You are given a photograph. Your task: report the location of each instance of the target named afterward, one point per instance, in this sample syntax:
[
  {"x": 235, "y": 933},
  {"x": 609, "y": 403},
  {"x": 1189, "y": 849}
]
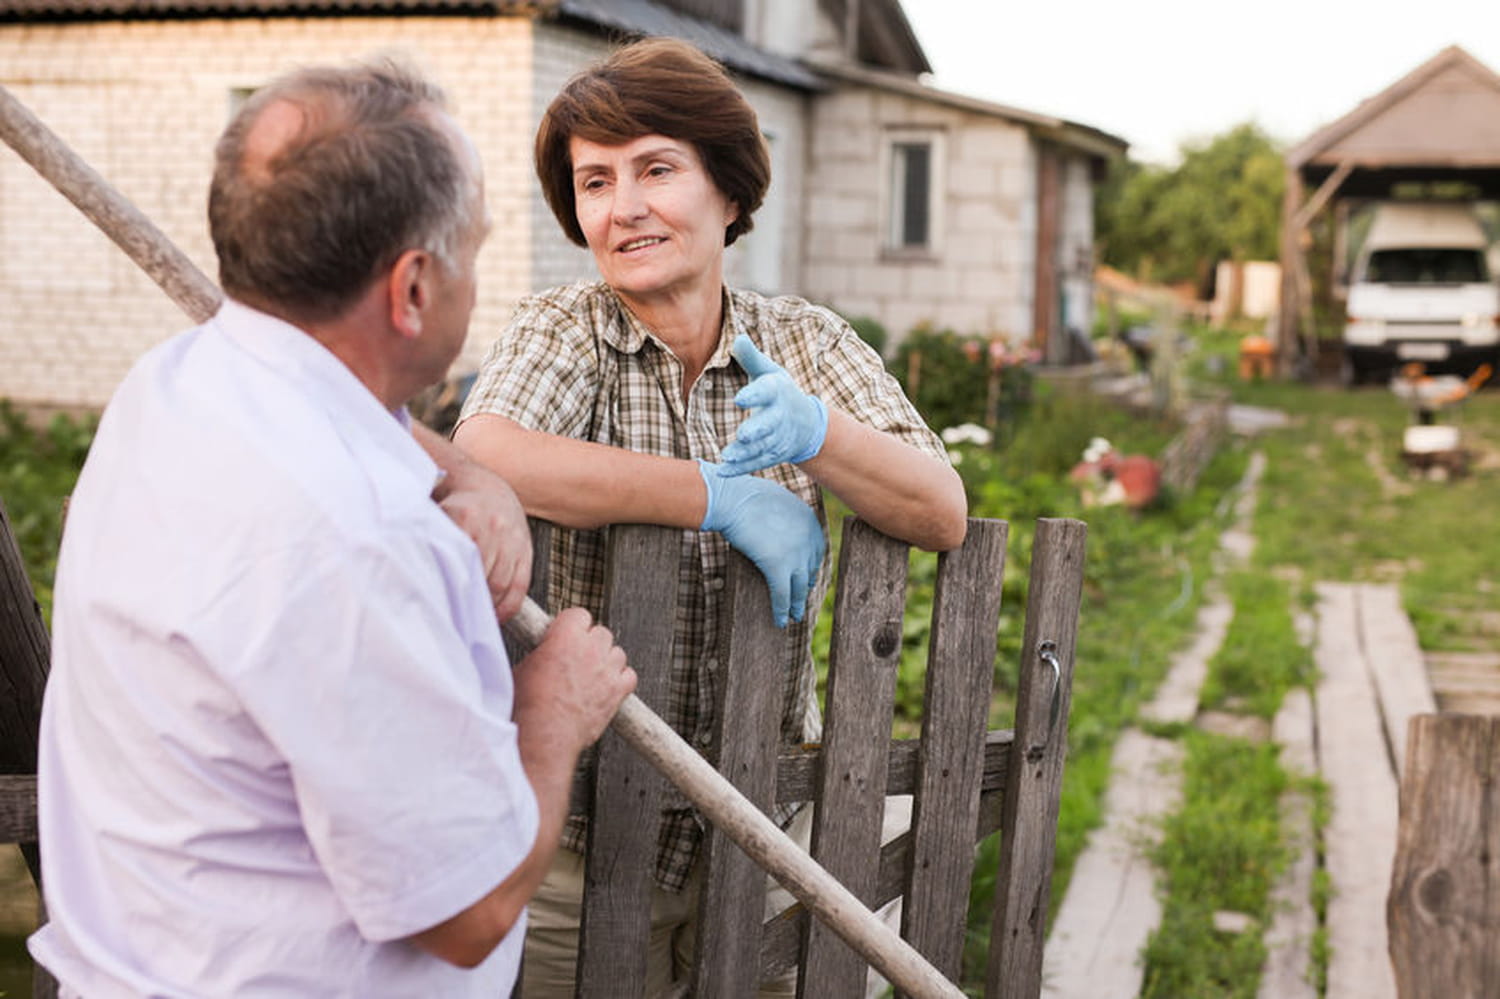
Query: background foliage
[{"x": 1171, "y": 224}]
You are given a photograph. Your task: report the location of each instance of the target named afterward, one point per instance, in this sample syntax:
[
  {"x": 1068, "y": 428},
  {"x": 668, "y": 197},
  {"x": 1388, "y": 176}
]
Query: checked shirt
[{"x": 575, "y": 362}]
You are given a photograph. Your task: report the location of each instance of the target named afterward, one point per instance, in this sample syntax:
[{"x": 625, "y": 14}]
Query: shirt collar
[
  {"x": 628, "y": 334},
  {"x": 329, "y": 383}
]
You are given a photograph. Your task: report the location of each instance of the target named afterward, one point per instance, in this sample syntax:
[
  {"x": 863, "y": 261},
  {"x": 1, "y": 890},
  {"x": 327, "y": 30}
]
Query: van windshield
[{"x": 1427, "y": 265}]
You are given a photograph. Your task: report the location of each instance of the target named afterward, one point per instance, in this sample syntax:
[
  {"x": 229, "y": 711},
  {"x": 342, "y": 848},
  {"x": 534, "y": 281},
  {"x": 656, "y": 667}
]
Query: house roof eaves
[
  {"x": 1085, "y": 138},
  {"x": 642, "y": 17},
  {"x": 96, "y": 10},
  {"x": 1304, "y": 152}
]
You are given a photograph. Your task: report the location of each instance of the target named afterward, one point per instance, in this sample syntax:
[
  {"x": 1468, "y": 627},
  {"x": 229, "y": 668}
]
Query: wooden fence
[{"x": 967, "y": 781}]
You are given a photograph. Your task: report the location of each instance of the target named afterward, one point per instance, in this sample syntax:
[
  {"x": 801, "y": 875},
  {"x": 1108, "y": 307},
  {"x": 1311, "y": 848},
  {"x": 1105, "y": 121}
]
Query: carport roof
[{"x": 1439, "y": 122}]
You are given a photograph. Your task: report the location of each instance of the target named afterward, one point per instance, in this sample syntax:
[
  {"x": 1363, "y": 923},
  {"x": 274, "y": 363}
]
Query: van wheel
[{"x": 1351, "y": 375}]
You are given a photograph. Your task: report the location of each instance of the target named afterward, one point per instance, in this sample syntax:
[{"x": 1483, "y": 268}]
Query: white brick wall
[
  {"x": 143, "y": 102},
  {"x": 979, "y": 283}
]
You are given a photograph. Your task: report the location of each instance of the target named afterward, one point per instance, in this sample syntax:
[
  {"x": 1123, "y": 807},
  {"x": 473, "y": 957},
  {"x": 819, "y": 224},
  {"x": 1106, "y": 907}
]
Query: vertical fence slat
[
  {"x": 641, "y": 578},
  {"x": 960, "y": 678},
  {"x": 1444, "y": 905},
  {"x": 863, "y": 655},
  {"x": 25, "y": 656},
  {"x": 747, "y": 726},
  {"x": 1031, "y": 790}
]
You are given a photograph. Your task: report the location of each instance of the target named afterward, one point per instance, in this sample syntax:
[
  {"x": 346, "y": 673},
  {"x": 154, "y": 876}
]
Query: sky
[{"x": 1158, "y": 73}]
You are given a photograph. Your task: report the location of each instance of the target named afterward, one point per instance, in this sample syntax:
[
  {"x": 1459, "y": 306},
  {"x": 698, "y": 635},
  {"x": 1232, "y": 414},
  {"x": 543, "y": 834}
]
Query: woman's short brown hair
[{"x": 658, "y": 86}]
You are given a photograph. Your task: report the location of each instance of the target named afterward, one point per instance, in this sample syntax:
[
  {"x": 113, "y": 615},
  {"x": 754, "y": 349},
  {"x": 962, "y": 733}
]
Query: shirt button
[
  {"x": 705, "y": 739},
  {"x": 715, "y": 583}
]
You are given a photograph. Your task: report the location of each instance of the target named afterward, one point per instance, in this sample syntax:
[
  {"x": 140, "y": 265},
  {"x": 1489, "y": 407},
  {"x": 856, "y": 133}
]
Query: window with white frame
[{"x": 913, "y": 166}]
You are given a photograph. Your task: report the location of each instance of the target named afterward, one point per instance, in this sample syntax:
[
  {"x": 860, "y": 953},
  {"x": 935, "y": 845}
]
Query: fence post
[
  {"x": 1443, "y": 910},
  {"x": 1032, "y": 788}
]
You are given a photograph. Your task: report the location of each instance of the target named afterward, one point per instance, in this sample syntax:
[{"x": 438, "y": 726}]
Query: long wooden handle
[{"x": 643, "y": 729}]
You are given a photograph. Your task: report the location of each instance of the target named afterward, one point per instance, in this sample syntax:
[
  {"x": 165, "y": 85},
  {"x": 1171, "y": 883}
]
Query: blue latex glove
[
  {"x": 773, "y": 528},
  {"x": 788, "y": 425}
]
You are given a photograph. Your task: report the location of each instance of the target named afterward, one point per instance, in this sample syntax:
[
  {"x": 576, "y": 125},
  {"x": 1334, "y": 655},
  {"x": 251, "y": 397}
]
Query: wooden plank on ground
[
  {"x": 1111, "y": 906},
  {"x": 1396, "y": 664},
  {"x": 1360, "y": 839},
  {"x": 1445, "y": 907},
  {"x": 955, "y": 714},
  {"x": 748, "y": 670},
  {"x": 1288, "y": 940},
  {"x": 1176, "y": 700},
  {"x": 627, "y": 790},
  {"x": 864, "y": 651}
]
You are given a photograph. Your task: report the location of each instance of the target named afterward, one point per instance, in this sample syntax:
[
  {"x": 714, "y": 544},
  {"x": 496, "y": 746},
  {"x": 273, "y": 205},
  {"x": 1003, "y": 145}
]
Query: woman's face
[{"x": 652, "y": 216}]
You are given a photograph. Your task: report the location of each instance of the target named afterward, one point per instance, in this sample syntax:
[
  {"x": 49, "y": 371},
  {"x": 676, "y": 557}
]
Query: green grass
[
  {"x": 1341, "y": 506},
  {"x": 1224, "y": 846},
  {"x": 1219, "y": 852}
]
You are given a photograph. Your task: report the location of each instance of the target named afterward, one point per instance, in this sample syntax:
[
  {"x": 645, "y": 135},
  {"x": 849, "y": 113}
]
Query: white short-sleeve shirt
[{"x": 277, "y": 735}]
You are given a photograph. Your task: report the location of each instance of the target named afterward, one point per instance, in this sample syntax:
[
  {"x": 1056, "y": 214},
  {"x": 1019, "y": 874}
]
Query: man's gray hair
[{"x": 370, "y": 174}]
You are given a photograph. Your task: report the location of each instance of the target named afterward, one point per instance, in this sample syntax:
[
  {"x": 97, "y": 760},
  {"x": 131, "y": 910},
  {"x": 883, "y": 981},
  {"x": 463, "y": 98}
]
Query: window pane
[
  {"x": 914, "y": 215},
  {"x": 911, "y": 183}
]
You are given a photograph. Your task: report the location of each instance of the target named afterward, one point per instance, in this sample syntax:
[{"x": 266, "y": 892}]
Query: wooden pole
[
  {"x": 120, "y": 220},
  {"x": 653, "y": 738}
]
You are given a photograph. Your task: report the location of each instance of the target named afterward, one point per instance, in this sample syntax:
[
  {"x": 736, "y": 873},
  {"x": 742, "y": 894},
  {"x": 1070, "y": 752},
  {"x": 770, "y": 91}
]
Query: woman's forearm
[{"x": 583, "y": 484}]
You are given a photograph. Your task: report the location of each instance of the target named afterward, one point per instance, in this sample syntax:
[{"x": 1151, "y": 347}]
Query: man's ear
[{"x": 409, "y": 291}]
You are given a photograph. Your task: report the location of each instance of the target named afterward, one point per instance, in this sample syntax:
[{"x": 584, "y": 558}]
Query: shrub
[
  {"x": 954, "y": 380},
  {"x": 37, "y": 471}
]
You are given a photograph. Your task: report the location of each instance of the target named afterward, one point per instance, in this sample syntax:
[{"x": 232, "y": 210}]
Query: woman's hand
[
  {"x": 774, "y": 529},
  {"x": 788, "y": 425}
]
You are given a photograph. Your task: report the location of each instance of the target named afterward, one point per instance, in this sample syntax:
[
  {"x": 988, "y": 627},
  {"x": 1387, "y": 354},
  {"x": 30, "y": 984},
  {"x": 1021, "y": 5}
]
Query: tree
[{"x": 1223, "y": 202}]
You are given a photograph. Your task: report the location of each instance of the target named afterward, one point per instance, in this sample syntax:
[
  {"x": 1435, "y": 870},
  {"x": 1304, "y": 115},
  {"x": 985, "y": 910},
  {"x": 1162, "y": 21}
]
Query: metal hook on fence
[{"x": 1046, "y": 650}]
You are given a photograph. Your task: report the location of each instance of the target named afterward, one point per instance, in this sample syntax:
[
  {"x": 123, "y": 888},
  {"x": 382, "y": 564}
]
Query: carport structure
[{"x": 1437, "y": 125}]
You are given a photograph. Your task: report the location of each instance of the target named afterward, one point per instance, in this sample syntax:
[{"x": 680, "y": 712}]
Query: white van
[{"x": 1422, "y": 291}]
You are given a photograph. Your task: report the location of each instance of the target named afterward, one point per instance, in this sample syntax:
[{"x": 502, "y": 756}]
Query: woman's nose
[{"x": 629, "y": 202}]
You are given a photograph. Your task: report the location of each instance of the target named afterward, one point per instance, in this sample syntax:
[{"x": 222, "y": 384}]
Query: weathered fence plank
[
  {"x": 1444, "y": 903},
  {"x": 959, "y": 682},
  {"x": 627, "y": 790},
  {"x": 863, "y": 654},
  {"x": 746, "y": 734},
  {"x": 25, "y": 654},
  {"x": 1031, "y": 793}
]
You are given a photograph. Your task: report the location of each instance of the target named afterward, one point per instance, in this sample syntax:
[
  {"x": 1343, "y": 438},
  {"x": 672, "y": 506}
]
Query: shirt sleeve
[
  {"x": 541, "y": 371},
  {"x": 381, "y": 680},
  {"x": 847, "y": 373}
]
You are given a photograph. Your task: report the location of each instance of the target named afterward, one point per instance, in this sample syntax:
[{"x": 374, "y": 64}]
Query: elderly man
[{"x": 282, "y": 749}]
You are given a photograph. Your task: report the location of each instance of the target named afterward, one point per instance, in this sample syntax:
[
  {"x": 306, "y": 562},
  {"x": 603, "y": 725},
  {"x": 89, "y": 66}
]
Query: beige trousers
[{"x": 551, "y": 958}]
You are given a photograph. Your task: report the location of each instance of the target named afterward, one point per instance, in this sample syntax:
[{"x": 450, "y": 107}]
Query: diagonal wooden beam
[{"x": 1325, "y": 191}]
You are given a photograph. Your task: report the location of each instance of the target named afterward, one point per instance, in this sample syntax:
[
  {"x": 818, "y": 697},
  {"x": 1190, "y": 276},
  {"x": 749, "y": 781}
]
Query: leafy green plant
[
  {"x": 955, "y": 379},
  {"x": 37, "y": 472}
]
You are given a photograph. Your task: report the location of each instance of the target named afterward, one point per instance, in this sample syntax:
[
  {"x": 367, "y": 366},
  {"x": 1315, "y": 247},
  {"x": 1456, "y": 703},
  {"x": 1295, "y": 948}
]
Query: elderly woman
[{"x": 654, "y": 395}]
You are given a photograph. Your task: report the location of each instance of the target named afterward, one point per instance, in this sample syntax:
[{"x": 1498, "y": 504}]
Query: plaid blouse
[{"x": 575, "y": 362}]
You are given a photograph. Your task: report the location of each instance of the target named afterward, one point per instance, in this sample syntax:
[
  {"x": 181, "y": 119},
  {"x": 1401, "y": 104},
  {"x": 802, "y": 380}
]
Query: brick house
[{"x": 890, "y": 199}]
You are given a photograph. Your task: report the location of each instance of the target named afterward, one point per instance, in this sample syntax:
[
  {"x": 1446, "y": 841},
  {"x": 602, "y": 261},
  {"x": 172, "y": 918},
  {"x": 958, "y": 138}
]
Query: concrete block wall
[
  {"x": 978, "y": 281},
  {"x": 143, "y": 102}
]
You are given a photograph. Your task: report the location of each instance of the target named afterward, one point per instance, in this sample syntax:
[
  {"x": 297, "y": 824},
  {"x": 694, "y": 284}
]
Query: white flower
[
  {"x": 1098, "y": 448},
  {"x": 955, "y": 457},
  {"x": 967, "y": 433}
]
